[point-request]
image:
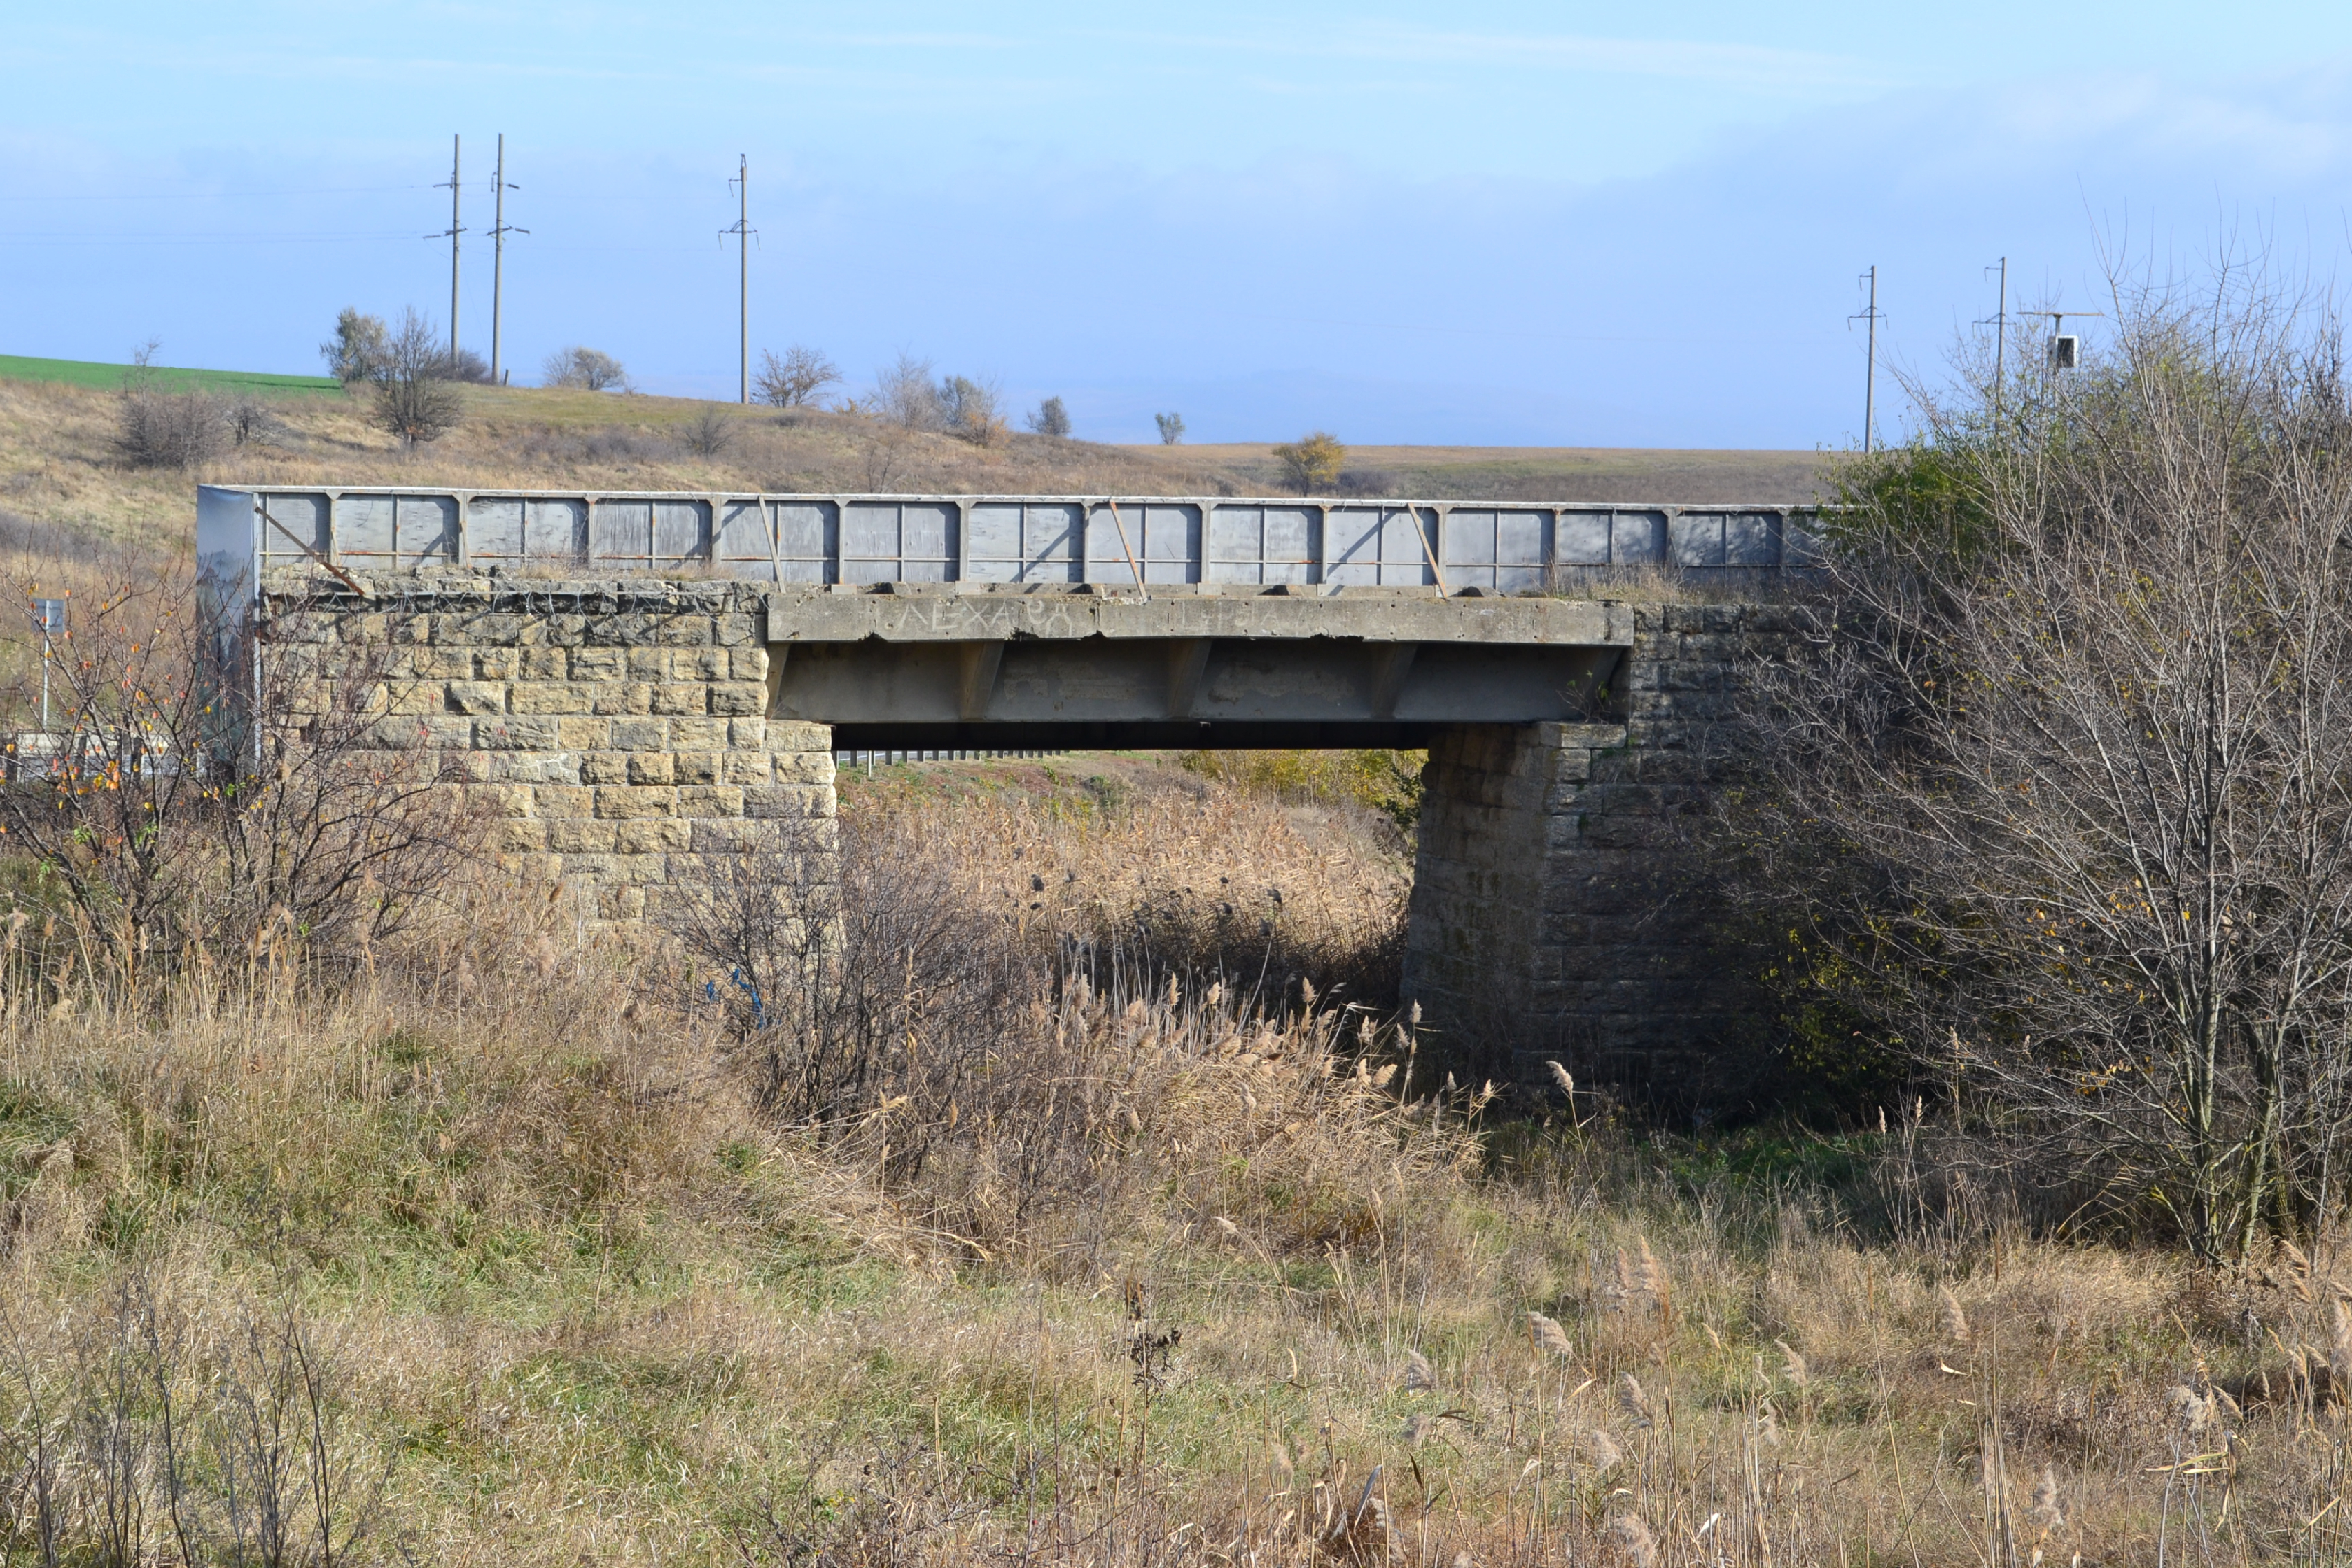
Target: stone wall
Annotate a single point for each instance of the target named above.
(618, 730)
(1557, 907)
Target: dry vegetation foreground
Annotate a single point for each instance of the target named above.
(61, 464)
(503, 1250)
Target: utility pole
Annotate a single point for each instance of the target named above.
(1870, 373)
(454, 231)
(2000, 346)
(743, 232)
(499, 231)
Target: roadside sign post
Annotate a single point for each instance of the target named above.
(50, 614)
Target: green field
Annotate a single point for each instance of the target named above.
(109, 378)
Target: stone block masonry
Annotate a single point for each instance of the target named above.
(617, 730)
(1556, 908)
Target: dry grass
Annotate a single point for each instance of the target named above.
(589, 1305)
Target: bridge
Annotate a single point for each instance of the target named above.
(649, 680)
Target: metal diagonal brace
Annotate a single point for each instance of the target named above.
(345, 577)
(1141, 591)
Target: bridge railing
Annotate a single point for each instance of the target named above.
(1500, 546)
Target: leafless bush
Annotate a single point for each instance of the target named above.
(584, 369)
(182, 801)
(709, 433)
(159, 429)
(882, 456)
(904, 395)
(138, 1435)
(251, 421)
(795, 381)
(414, 397)
(2064, 801)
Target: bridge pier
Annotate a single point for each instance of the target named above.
(1558, 909)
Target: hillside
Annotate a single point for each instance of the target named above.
(58, 462)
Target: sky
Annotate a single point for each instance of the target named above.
(1477, 223)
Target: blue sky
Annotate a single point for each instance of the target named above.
(1478, 223)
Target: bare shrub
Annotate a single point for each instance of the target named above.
(183, 803)
(147, 1434)
(159, 429)
(583, 370)
(883, 452)
(996, 1069)
(903, 394)
(795, 381)
(414, 397)
(251, 421)
(2064, 804)
(709, 433)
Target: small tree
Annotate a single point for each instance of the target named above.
(905, 396)
(971, 410)
(795, 381)
(463, 364)
(582, 369)
(1311, 462)
(1051, 420)
(414, 397)
(358, 346)
(1171, 427)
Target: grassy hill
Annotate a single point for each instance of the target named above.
(170, 379)
(59, 464)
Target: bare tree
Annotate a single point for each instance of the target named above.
(414, 397)
(2063, 800)
(1051, 420)
(795, 381)
(582, 369)
(905, 396)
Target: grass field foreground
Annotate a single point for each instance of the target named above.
(1274, 1292)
